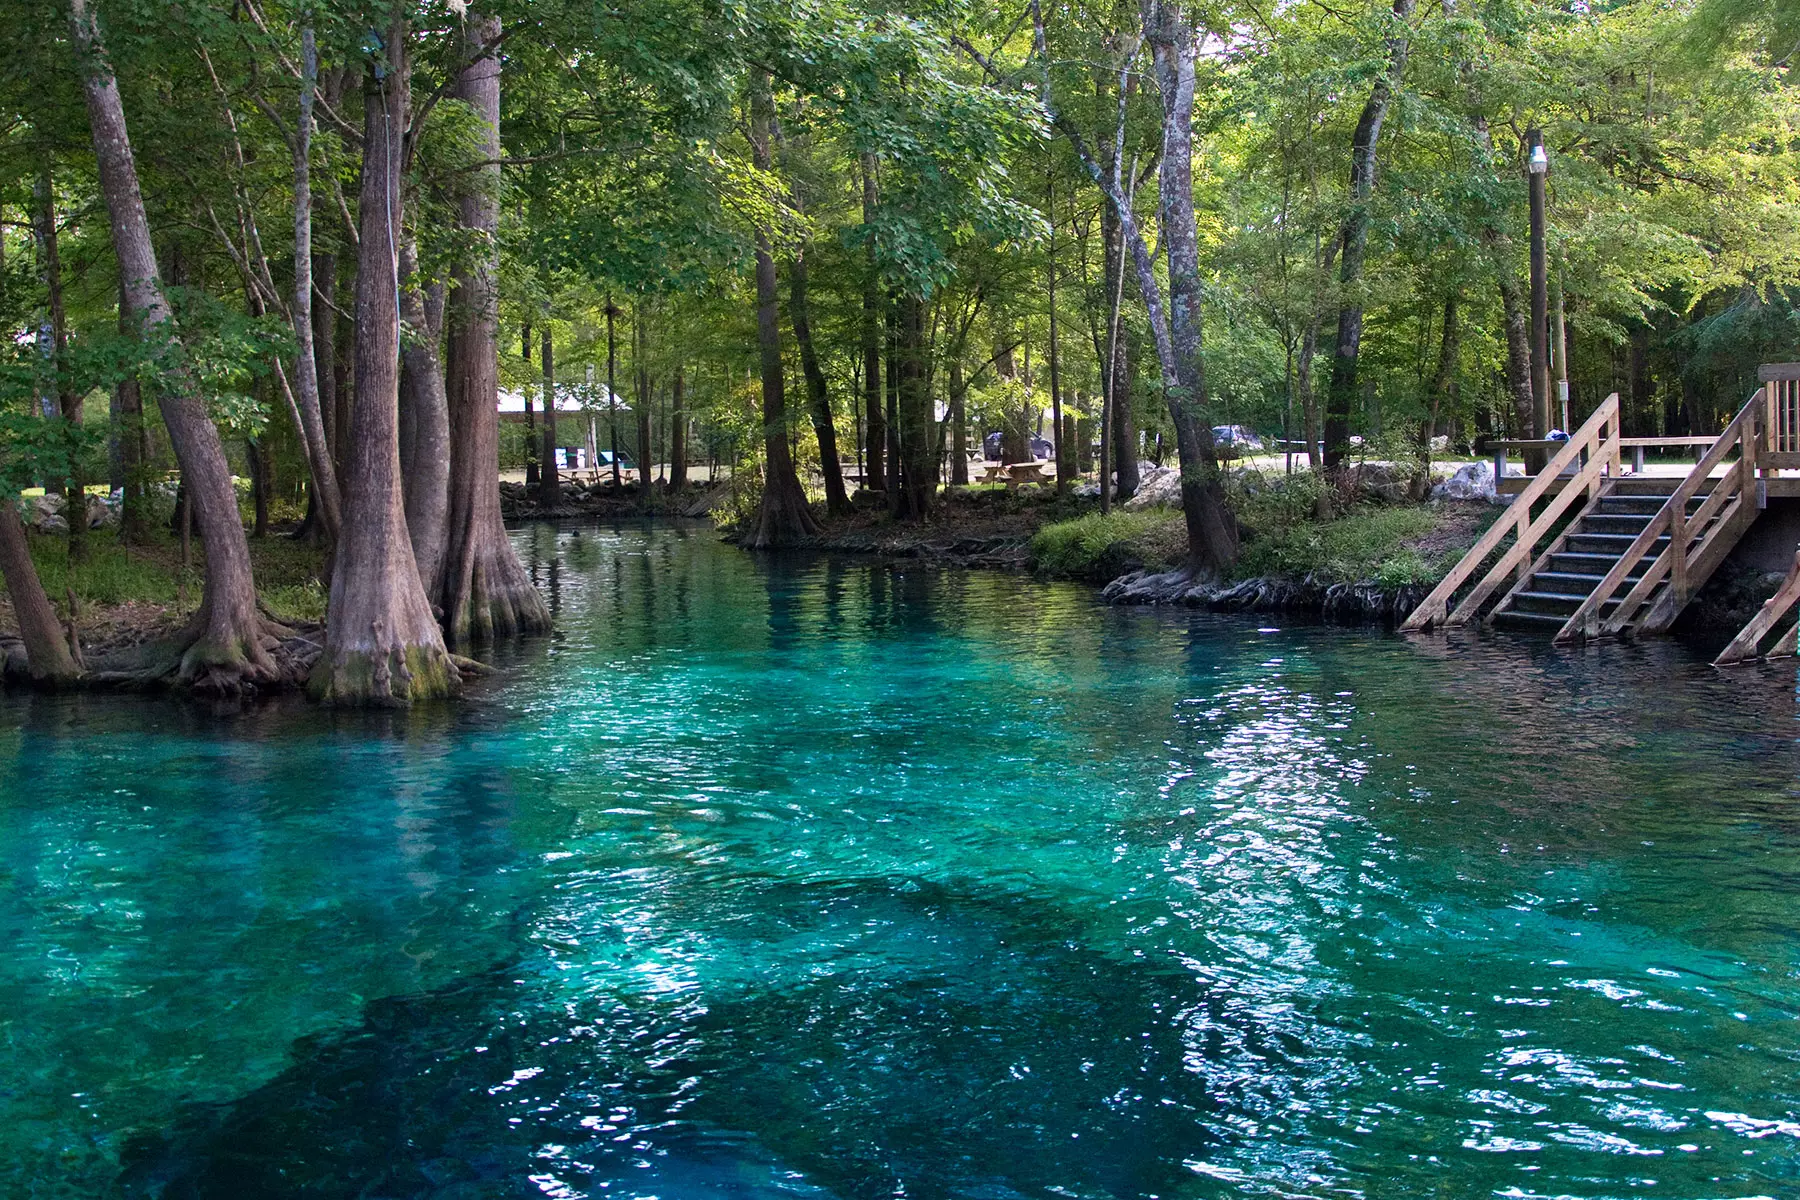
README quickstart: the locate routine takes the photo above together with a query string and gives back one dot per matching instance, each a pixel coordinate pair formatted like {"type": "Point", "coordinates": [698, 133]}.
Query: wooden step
{"type": "Point", "coordinates": [1612, 544]}
{"type": "Point", "coordinates": [1543, 602]}
{"type": "Point", "coordinates": [1599, 522]}
{"type": "Point", "coordinates": [1646, 506]}
{"type": "Point", "coordinates": [1545, 623]}
{"type": "Point", "coordinates": [1652, 485]}
{"type": "Point", "coordinates": [1575, 562]}
{"type": "Point", "coordinates": [1566, 583]}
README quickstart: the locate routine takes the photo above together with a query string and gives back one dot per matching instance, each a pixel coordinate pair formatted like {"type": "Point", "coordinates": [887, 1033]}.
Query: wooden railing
{"type": "Point", "coordinates": [1596, 447]}
{"type": "Point", "coordinates": [1781, 414]}
{"type": "Point", "coordinates": [1691, 554]}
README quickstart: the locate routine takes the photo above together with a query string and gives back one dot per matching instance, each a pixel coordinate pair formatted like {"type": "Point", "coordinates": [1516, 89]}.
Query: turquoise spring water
{"type": "Point", "coordinates": [808, 879]}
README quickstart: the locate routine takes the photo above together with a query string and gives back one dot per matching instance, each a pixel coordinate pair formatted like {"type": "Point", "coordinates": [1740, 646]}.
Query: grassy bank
{"type": "Point", "coordinates": [1391, 545]}
{"type": "Point", "coordinates": [128, 592]}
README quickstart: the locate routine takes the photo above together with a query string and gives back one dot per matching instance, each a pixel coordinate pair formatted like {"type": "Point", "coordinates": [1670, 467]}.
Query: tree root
{"type": "Point", "coordinates": [197, 661]}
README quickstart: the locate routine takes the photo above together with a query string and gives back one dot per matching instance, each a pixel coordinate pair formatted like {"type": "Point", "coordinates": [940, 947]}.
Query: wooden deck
{"type": "Point", "coordinates": [1590, 549]}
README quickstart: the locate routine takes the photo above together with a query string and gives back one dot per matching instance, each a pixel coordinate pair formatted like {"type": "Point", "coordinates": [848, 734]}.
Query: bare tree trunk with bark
{"type": "Point", "coordinates": [484, 593]}
{"type": "Point", "coordinates": [1211, 528]}
{"type": "Point", "coordinates": [425, 428]}
{"type": "Point", "coordinates": [222, 649]}
{"type": "Point", "coordinates": [818, 399]}
{"type": "Point", "coordinates": [1119, 441]}
{"type": "Point", "coordinates": [919, 468]}
{"type": "Point", "coordinates": [382, 643]}
{"type": "Point", "coordinates": [306, 364]}
{"type": "Point", "coordinates": [783, 516]}
{"type": "Point", "coordinates": [46, 651]}
{"type": "Point", "coordinates": [959, 425]}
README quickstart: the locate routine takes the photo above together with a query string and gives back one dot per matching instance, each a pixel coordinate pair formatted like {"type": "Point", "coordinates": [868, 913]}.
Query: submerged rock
{"type": "Point", "coordinates": [1363, 600]}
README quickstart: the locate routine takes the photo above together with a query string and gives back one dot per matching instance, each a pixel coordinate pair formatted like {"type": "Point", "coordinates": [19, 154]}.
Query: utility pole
{"type": "Point", "coordinates": [1561, 347]}
{"type": "Point", "coordinates": [1538, 167]}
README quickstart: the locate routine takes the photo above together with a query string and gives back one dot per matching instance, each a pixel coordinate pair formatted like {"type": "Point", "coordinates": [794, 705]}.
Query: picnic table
{"type": "Point", "coordinates": [1020, 473]}
{"type": "Point", "coordinates": [993, 472]}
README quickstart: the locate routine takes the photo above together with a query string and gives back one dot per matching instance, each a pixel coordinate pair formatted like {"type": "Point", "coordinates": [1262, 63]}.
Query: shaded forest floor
{"type": "Point", "coordinates": [128, 594]}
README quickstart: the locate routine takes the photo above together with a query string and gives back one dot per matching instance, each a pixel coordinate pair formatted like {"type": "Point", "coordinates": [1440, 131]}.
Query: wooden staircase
{"type": "Point", "coordinates": [1584, 554]}
{"type": "Point", "coordinates": [1627, 561]}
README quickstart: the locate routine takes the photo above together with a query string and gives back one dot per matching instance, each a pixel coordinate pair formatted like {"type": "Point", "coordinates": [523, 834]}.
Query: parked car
{"type": "Point", "coordinates": [1235, 441]}
{"type": "Point", "coordinates": [1040, 447]}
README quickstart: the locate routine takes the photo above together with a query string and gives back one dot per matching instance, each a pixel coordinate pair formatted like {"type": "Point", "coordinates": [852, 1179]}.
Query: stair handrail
{"type": "Point", "coordinates": [1585, 621]}
{"type": "Point", "coordinates": [1434, 610]}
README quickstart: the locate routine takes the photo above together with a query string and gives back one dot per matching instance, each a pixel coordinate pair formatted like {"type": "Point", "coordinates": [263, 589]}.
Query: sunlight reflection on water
{"type": "Point", "coordinates": [805, 878]}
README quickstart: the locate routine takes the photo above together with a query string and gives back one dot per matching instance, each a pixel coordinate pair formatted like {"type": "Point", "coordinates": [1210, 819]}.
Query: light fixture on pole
{"type": "Point", "coordinates": [1537, 164]}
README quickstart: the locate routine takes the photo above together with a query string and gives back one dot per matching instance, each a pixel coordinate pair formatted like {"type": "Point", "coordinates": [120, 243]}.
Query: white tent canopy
{"type": "Point", "coordinates": [570, 397]}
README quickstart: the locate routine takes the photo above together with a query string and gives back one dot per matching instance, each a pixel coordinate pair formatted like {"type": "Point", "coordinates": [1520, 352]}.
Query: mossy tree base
{"type": "Point", "coordinates": [389, 677]}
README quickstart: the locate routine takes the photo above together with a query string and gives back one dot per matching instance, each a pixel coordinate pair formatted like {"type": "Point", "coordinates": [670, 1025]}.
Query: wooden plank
{"type": "Point", "coordinates": [1744, 646]}
{"type": "Point", "coordinates": [1434, 608]}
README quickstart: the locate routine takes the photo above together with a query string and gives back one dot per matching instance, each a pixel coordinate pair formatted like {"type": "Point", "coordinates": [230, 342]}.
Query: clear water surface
{"type": "Point", "coordinates": [806, 879]}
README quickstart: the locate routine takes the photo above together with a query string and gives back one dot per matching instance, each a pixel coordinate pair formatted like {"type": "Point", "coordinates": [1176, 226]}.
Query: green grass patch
{"type": "Point", "coordinates": [108, 573]}
{"type": "Point", "coordinates": [1367, 542]}
{"type": "Point", "coordinates": [1106, 545]}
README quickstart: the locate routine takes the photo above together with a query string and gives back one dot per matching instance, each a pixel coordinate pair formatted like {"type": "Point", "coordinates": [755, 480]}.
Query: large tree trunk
{"type": "Point", "coordinates": [875, 430]}
{"type": "Point", "coordinates": [549, 483]}
{"type": "Point", "coordinates": [783, 516]}
{"type": "Point", "coordinates": [678, 420]}
{"type": "Point", "coordinates": [306, 365]}
{"type": "Point", "coordinates": [1354, 241]}
{"type": "Point", "coordinates": [134, 452]}
{"type": "Point", "coordinates": [382, 644]}
{"type": "Point", "coordinates": [1211, 528]}
{"type": "Point", "coordinates": [46, 652]}
{"type": "Point", "coordinates": [1309, 398]}
{"type": "Point", "coordinates": [425, 425]}
{"type": "Point", "coordinates": [1517, 319]}
{"type": "Point", "coordinates": [919, 465]}
{"type": "Point", "coordinates": [818, 400]}
{"type": "Point", "coordinates": [1124, 445]}
{"type": "Point", "coordinates": [485, 592]}
{"type": "Point", "coordinates": [221, 650]}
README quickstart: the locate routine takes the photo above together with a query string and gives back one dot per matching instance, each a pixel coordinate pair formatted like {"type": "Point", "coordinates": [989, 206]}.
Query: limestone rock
{"type": "Point", "coordinates": [1473, 481]}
